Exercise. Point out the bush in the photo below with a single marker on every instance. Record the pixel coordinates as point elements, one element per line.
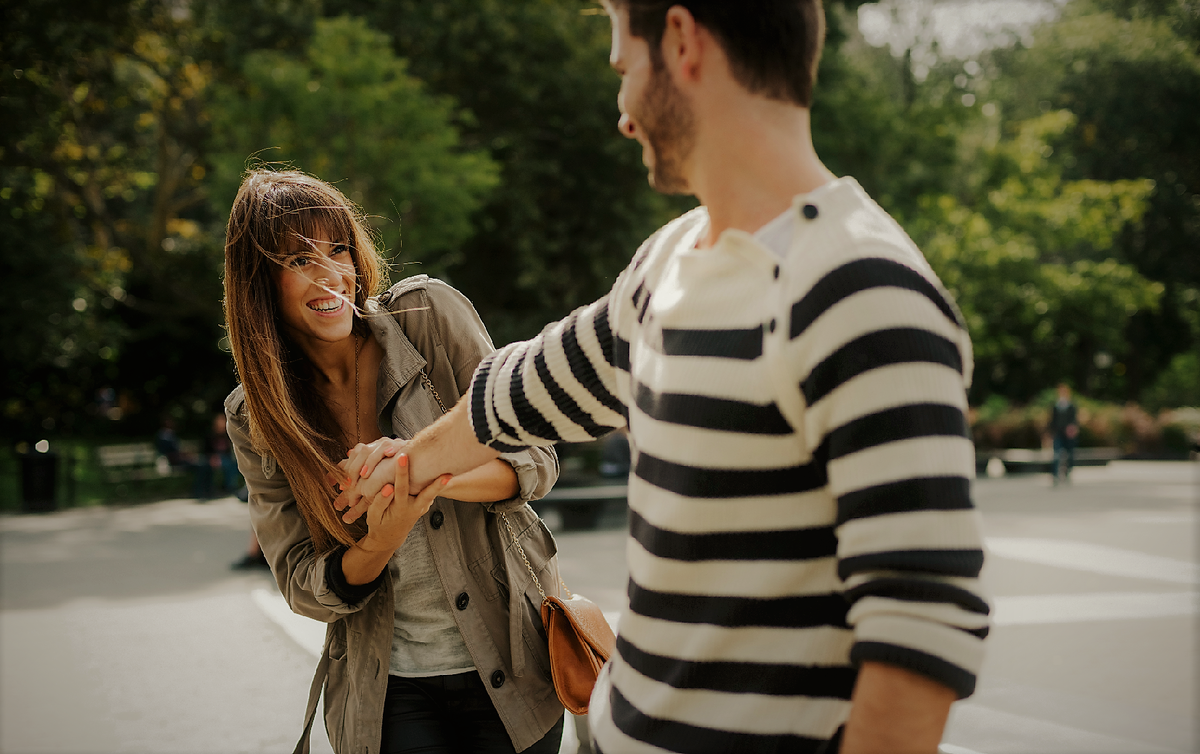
<point>998,425</point>
<point>1178,385</point>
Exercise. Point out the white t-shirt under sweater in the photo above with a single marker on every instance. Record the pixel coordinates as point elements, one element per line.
<point>800,486</point>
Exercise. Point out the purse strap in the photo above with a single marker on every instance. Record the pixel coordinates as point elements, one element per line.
<point>503,516</point>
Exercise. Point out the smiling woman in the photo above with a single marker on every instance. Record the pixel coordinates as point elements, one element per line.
<point>330,368</point>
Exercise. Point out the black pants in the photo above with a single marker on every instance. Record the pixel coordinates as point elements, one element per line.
<point>449,714</point>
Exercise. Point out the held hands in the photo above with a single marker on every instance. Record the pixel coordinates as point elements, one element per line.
<point>366,475</point>
<point>392,512</point>
<point>371,470</point>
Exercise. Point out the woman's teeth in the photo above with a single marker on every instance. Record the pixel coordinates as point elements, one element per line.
<point>331,305</point>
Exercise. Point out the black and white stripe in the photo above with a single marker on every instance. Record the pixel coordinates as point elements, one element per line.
<point>800,494</point>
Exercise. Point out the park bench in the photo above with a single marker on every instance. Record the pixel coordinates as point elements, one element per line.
<point>1029,460</point>
<point>581,505</point>
<point>138,461</point>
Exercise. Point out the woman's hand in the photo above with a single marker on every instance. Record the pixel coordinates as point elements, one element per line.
<point>392,512</point>
<point>391,515</point>
<point>359,467</point>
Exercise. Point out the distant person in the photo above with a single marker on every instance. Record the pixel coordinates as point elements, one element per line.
<point>614,456</point>
<point>803,549</point>
<point>1064,428</point>
<point>434,644</point>
<point>216,462</point>
<point>166,443</point>
<point>253,557</point>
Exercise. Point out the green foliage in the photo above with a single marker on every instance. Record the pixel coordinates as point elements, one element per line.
<point>573,202</point>
<point>1129,72</point>
<point>872,120</point>
<point>1177,385</point>
<point>349,112</point>
<point>1055,186</point>
<point>1025,256</point>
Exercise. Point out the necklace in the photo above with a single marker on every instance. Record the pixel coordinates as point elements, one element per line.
<point>358,344</point>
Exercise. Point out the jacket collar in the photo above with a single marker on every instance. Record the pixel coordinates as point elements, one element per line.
<point>401,360</point>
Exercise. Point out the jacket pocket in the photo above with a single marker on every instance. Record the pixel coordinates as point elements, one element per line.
<point>337,641</point>
<point>488,574</point>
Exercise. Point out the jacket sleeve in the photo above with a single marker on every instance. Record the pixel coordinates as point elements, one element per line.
<point>302,574</point>
<point>456,330</point>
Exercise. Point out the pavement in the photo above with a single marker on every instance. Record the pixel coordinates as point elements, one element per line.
<point>122,629</point>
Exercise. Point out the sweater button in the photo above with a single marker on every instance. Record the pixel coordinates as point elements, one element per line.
<point>771,326</point>
<point>463,600</point>
<point>436,519</point>
<point>776,272</point>
<point>810,211</point>
<point>497,679</point>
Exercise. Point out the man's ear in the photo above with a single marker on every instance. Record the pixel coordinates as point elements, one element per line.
<point>684,44</point>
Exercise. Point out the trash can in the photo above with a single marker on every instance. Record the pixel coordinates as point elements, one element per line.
<point>39,481</point>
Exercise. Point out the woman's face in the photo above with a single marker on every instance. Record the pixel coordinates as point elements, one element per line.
<point>316,293</point>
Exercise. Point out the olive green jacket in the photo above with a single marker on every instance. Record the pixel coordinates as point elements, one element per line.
<point>423,325</point>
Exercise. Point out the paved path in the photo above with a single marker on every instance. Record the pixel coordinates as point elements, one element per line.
<point>122,629</point>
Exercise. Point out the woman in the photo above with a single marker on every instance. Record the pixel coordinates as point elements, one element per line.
<point>434,641</point>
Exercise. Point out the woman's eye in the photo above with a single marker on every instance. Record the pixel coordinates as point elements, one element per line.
<point>298,262</point>
<point>340,248</point>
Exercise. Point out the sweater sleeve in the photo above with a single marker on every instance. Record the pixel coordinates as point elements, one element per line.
<point>885,387</point>
<point>557,387</point>
<point>446,328</point>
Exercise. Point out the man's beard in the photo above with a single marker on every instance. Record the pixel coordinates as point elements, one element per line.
<point>670,127</point>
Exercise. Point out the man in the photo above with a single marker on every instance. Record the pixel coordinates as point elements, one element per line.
<point>1064,426</point>
<point>803,551</point>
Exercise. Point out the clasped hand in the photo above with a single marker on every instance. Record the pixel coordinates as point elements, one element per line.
<point>376,483</point>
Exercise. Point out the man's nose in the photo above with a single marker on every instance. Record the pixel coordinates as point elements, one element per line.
<point>626,127</point>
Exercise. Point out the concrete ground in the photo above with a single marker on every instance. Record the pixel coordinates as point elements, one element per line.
<point>123,629</point>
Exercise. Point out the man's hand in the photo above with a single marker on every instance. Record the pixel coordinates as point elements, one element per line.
<point>448,446</point>
<point>896,711</point>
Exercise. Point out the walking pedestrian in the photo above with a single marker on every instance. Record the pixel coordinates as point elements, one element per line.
<point>1064,428</point>
<point>434,643</point>
<point>803,549</point>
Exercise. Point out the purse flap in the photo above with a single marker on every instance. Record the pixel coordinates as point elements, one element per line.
<point>587,619</point>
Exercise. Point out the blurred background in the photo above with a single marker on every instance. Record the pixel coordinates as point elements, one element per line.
<point>1044,155</point>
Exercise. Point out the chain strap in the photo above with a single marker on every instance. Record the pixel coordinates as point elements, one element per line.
<point>503,516</point>
<point>429,384</point>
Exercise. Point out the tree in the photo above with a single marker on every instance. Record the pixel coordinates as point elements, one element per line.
<point>1129,72</point>
<point>66,174</point>
<point>573,202</point>
<point>348,112</point>
<point>1027,255</point>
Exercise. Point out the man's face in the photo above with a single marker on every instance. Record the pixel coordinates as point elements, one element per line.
<point>653,110</point>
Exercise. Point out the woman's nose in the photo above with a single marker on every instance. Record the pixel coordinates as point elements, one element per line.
<point>626,127</point>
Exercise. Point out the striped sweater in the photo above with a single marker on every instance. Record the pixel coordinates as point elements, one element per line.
<point>800,486</point>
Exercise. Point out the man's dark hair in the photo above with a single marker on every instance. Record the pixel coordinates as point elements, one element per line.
<point>773,45</point>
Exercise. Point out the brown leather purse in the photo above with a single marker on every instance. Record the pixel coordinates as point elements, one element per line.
<point>581,640</point>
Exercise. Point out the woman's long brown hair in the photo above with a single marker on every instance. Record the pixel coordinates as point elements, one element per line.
<point>273,214</point>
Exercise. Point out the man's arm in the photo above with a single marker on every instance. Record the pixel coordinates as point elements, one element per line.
<point>896,711</point>
<point>448,446</point>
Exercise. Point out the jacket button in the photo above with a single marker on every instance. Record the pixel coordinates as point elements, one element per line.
<point>810,211</point>
<point>497,679</point>
<point>463,600</point>
<point>771,326</point>
<point>436,519</point>
<point>776,272</point>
